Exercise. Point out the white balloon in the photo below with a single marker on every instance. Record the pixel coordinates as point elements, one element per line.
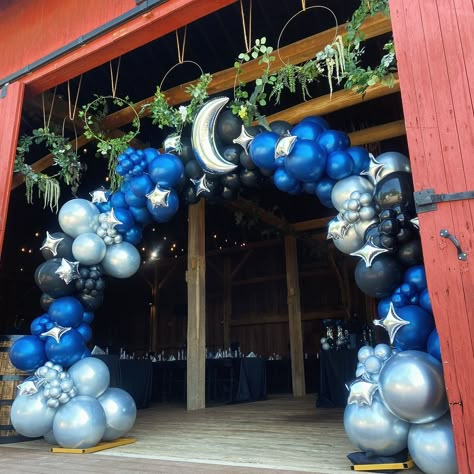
<point>88,248</point>
<point>121,260</point>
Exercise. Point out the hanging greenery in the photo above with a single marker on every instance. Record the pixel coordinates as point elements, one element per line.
<point>64,157</point>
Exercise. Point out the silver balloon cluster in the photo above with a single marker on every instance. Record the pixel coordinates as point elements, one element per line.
<point>107,230</point>
<point>359,207</point>
<point>371,361</point>
<point>58,387</point>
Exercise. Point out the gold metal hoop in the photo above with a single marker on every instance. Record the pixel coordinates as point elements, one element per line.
<point>175,66</point>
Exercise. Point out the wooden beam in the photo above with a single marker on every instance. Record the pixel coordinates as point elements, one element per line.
<point>314,224</point>
<point>294,317</point>
<point>241,263</point>
<point>196,280</point>
<point>258,319</point>
<point>378,133</point>
<point>227,300</point>
<point>155,294</point>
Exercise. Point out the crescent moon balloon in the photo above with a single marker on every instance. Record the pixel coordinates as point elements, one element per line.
<point>203,138</point>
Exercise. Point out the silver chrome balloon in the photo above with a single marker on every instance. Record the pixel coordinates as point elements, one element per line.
<point>411,385</point>
<point>78,216</point>
<point>49,437</point>
<point>373,429</point>
<point>345,187</point>
<point>31,416</point>
<point>80,423</point>
<point>383,351</point>
<point>431,446</point>
<point>121,260</point>
<point>90,376</point>
<point>88,248</point>
<point>203,138</point>
<point>120,412</point>
<point>392,161</point>
<point>364,352</point>
<point>350,242</point>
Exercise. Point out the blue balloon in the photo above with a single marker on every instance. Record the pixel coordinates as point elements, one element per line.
<point>41,324</point>
<point>432,347</point>
<point>399,300</point>
<point>383,306</point>
<point>125,217</point>
<point>333,140</point>
<point>133,235</point>
<point>306,161</point>
<point>164,214</point>
<point>117,199</point>
<point>408,289</point>
<point>141,214</point>
<point>308,130</point>
<point>103,206</point>
<point>166,170</point>
<point>66,312</point>
<point>129,150</point>
<point>415,299</point>
<point>417,276</point>
<point>283,181</point>
<point>126,165</point>
<point>413,336</point>
<point>150,154</point>
<point>360,158</point>
<point>68,350</point>
<point>297,190</point>
<point>27,353</point>
<point>86,353</point>
<point>133,200</point>
<point>310,188</point>
<point>85,331</point>
<point>339,165</point>
<point>141,185</point>
<point>262,150</point>
<point>317,120</point>
<point>324,190</point>
<point>88,317</point>
<point>425,301</point>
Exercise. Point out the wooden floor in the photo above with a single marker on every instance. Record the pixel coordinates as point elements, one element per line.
<point>277,435</point>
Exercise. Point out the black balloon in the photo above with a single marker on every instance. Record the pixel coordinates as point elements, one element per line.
<point>410,253</point>
<point>192,170</point>
<point>215,188</point>
<point>232,153</point>
<point>249,178</point>
<point>389,226</point>
<point>231,181</point>
<point>396,189</point>
<point>187,153</point>
<point>45,301</point>
<point>381,278</point>
<point>246,161</point>
<point>89,302</point>
<point>189,195</point>
<point>228,194</point>
<point>49,281</point>
<point>228,127</point>
<point>280,127</point>
<point>63,250</point>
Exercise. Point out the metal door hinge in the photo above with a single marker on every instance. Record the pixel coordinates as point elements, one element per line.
<point>456,403</point>
<point>427,199</point>
<point>3,91</point>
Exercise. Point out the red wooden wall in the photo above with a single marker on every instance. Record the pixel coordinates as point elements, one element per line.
<point>435,51</point>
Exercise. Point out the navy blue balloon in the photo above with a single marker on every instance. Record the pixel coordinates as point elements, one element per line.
<point>333,140</point>
<point>166,170</point>
<point>141,214</point>
<point>141,185</point>
<point>413,336</point>
<point>283,181</point>
<point>433,347</point>
<point>164,214</point>
<point>133,235</point>
<point>339,165</point>
<point>383,306</point>
<point>125,217</point>
<point>150,154</point>
<point>360,158</point>
<point>41,324</point>
<point>308,130</point>
<point>50,282</point>
<point>66,311</point>
<point>425,301</point>
<point>324,190</point>
<point>417,276</point>
<point>88,317</point>
<point>28,353</point>
<point>310,187</point>
<point>317,120</point>
<point>118,199</point>
<point>262,150</point>
<point>68,350</point>
<point>133,200</point>
<point>307,161</point>
<point>85,331</point>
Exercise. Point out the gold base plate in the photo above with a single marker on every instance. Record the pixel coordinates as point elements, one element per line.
<point>382,467</point>
<point>100,447</point>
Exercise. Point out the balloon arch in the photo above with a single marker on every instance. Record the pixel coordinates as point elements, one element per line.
<point>397,399</point>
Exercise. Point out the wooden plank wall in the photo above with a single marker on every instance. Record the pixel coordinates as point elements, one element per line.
<point>433,40</point>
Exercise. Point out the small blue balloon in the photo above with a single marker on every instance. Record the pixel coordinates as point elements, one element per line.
<point>66,311</point>
<point>413,336</point>
<point>88,317</point>
<point>324,190</point>
<point>399,300</point>
<point>383,306</point>
<point>141,185</point>
<point>135,157</point>
<point>307,129</point>
<point>117,199</point>
<point>425,301</point>
<point>307,161</point>
<point>129,150</point>
<point>133,235</point>
<point>333,140</point>
<point>417,276</point>
<point>283,181</point>
<point>125,217</point>
<point>166,170</point>
<point>28,353</point>
<point>40,324</point>
<point>150,154</point>
<point>262,150</point>
<point>317,120</point>
<point>164,214</point>
<point>133,200</point>
<point>415,299</point>
<point>339,165</point>
<point>310,187</point>
<point>85,331</point>
<point>433,347</point>
<point>126,164</point>
<point>141,214</point>
<point>68,350</point>
<point>408,289</point>
<point>360,158</point>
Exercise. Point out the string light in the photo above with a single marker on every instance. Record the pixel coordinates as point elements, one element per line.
<point>23,249</point>
<point>106,179</point>
<point>37,234</point>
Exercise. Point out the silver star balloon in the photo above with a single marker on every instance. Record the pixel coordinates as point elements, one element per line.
<point>51,243</point>
<point>159,197</point>
<point>244,139</point>
<point>172,143</point>
<point>200,185</point>
<point>28,387</point>
<point>337,228</point>
<point>374,170</point>
<point>284,145</point>
<point>56,333</point>
<point>100,195</point>
<point>111,219</point>
<point>392,323</point>
<point>416,222</point>
<point>368,252</point>
<point>68,271</point>
<point>362,392</point>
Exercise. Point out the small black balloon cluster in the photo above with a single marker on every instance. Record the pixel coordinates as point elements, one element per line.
<point>90,285</point>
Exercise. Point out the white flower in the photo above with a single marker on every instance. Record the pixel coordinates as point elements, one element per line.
<point>183,111</point>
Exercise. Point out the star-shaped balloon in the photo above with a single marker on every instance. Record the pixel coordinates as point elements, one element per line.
<point>374,170</point>
<point>284,145</point>
<point>100,195</point>
<point>159,197</point>
<point>416,222</point>
<point>392,323</point>
<point>244,139</point>
<point>51,243</point>
<point>111,219</point>
<point>28,387</point>
<point>172,143</point>
<point>56,333</point>
<point>200,185</point>
<point>368,252</point>
<point>337,228</point>
<point>362,392</point>
<point>68,271</point>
